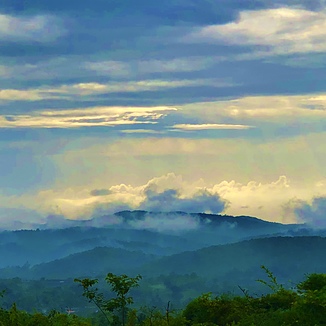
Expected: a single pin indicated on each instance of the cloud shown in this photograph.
(87, 117)
(23, 95)
(313, 213)
(276, 31)
(280, 109)
(75, 91)
(165, 222)
(272, 201)
(134, 68)
(110, 67)
(13, 218)
(40, 28)
(100, 192)
(170, 200)
(140, 131)
(209, 126)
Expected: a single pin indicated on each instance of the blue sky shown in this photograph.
(214, 106)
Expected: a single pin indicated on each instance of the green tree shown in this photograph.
(312, 303)
(120, 285)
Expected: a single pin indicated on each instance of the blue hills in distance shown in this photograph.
(181, 255)
(151, 233)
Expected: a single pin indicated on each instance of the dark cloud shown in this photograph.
(170, 201)
(313, 214)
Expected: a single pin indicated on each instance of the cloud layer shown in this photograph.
(280, 31)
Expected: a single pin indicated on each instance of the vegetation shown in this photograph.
(120, 285)
(303, 305)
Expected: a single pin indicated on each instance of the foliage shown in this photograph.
(120, 285)
(272, 284)
(304, 305)
(16, 317)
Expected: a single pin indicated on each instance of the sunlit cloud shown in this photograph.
(140, 131)
(274, 109)
(170, 193)
(71, 92)
(87, 117)
(277, 31)
(210, 126)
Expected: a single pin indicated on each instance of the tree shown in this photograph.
(120, 285)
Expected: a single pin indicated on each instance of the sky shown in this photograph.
(177, 105)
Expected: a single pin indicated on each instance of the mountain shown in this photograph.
(92, 263)
(153, 233)
(177, 277)
(289, 257)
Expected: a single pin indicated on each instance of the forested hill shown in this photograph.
(153, 233)
(288, 257)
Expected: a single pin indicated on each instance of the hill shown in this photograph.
(153, 233)
(287, 257)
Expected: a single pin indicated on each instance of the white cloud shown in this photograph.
(210, 126)
(279, 109)
(264, 200)
(40, 28)
(87, 117)
(140, 131)
(71, 92)
(22, 95)
(277, 31)
(133, 68)
(138, 86)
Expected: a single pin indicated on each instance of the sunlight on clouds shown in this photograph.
(283, 30)
(253, 177)
(138, 86)
(134, 161)
(245, 112)
(140, 131)
(71, 92)
(88, 117)
(41, 28)
(22, 95)
(278, 108)
(209, 126)
(269, 201)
